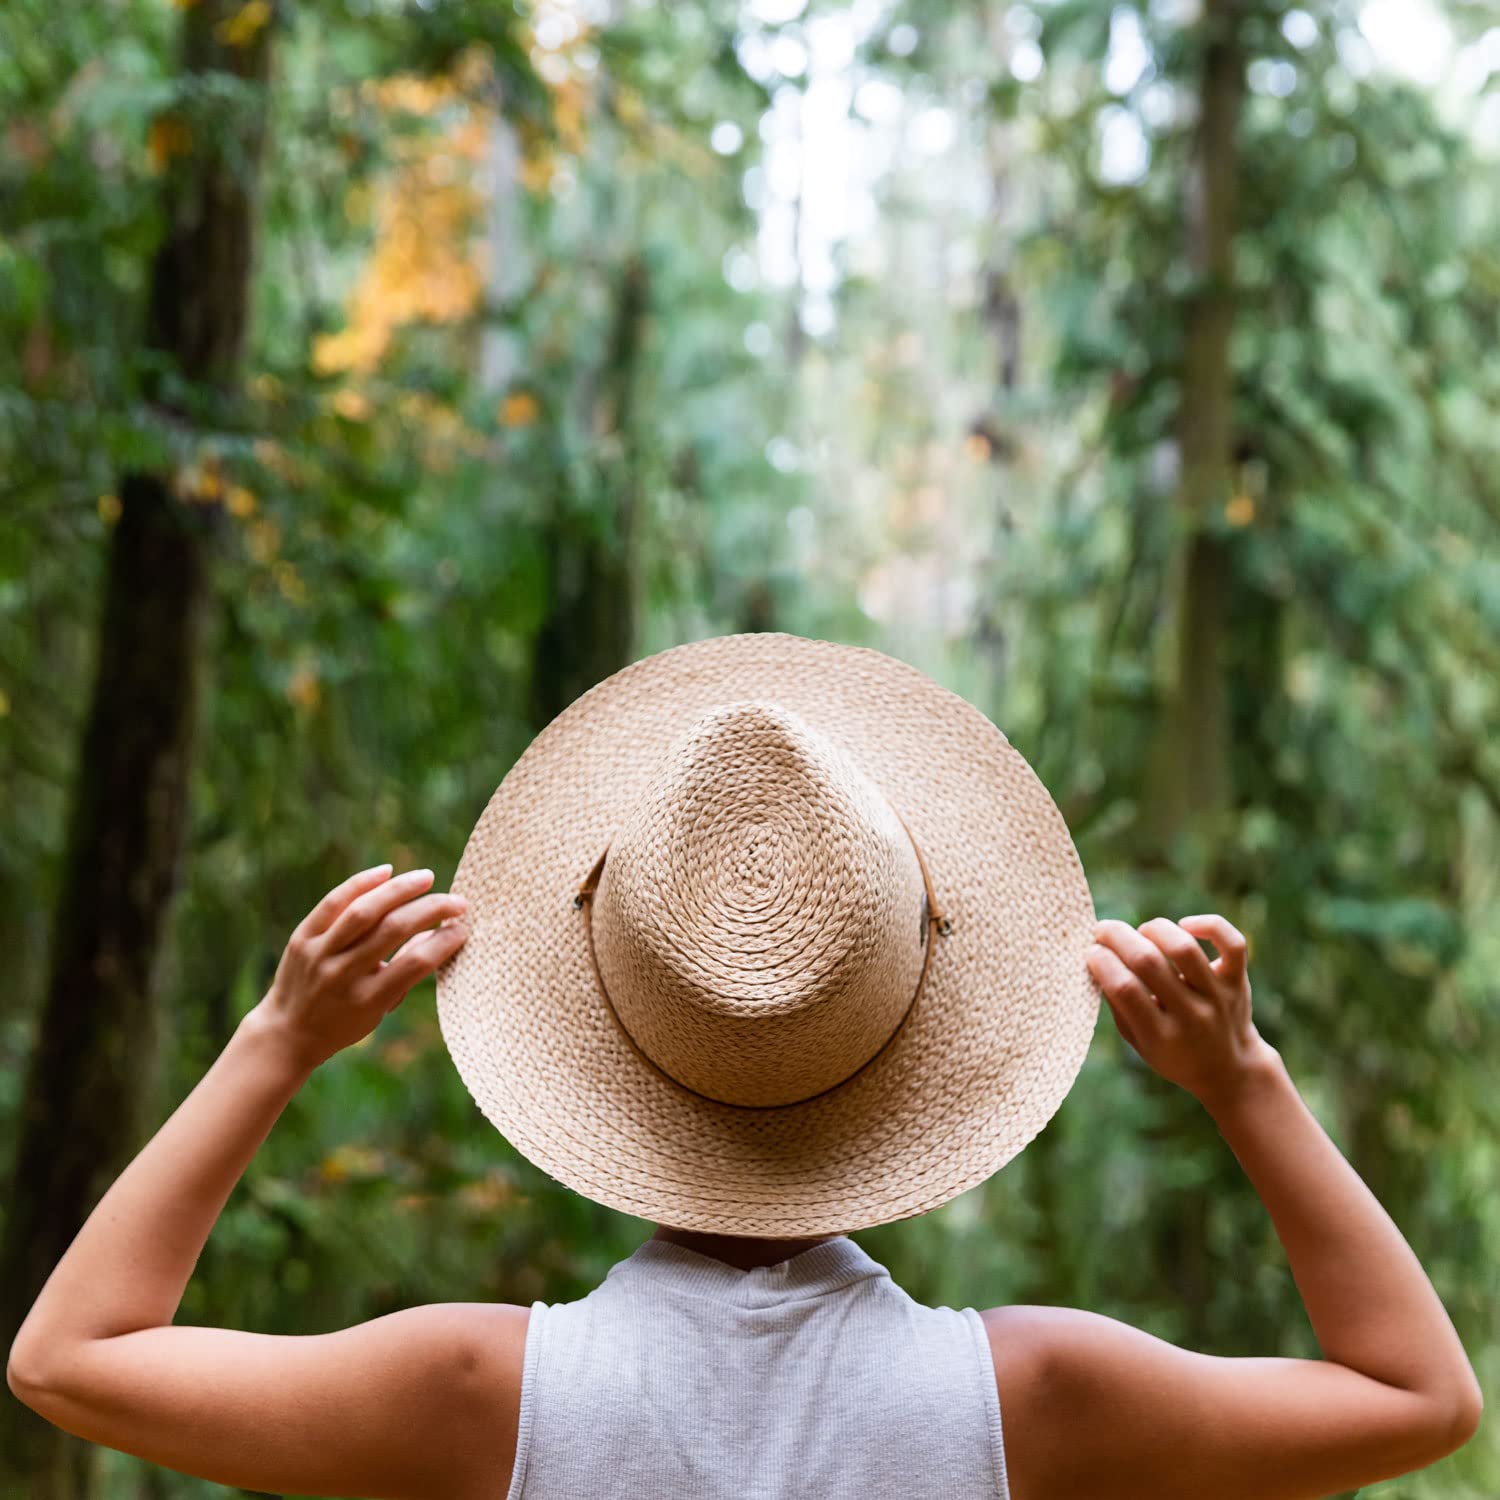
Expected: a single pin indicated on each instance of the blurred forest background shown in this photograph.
(376, 375)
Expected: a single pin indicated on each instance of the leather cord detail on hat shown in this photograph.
(934, 920)
(590, 881)
(935, 917)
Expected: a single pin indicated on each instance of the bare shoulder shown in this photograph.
(469, 1357)
(494, 1338)
(1091, 1405)
(418, 1404)
(1020, 1343)
(1042, 1358)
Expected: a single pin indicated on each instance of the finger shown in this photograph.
(1121, 1024)
(416, 960)
(1122, 987)
(1183, 949)
(1228, 939)
(323, 915)
(361, 916)
(1145, 959)
(403, 923)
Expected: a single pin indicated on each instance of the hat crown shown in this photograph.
(758, 924)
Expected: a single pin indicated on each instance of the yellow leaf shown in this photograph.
(167, 137)
(474, 68)
(568, 102)
(109, 509)
(519, 409)
(359, 204)
(402, 1052)
(239, 501)
(336, 352)
(629, 105)
(289, 581)
(4, 704)
(488, 1193)
(406, 93)
(264, 537)
(1240, 511)
(245, 24)
(351, 1161)
(302, 687)
(428, 220)
(273, 457)
(352, 405)
(537, 173)
(199, 483)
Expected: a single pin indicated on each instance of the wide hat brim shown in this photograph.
(986, 1056)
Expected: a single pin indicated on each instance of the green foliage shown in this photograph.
(393, 518)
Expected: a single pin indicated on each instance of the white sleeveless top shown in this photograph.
(818, 1378)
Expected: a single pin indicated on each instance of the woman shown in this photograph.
(753, 1012)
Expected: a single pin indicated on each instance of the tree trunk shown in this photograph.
(589, 630)
(1189, 778)
(1000, 314)
(90, 1079)
(1188, 785)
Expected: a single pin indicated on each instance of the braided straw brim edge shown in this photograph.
(985, 1059)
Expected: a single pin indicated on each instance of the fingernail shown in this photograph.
(462, 902)
(422, 874)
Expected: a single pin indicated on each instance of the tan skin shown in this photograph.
(742, 1252)
(422, 1404)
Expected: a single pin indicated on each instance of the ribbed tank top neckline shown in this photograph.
(834, 1264)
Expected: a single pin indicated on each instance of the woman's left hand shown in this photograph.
(335, 982)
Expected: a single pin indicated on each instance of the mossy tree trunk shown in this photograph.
(89, 1083)
(1188, 780)
(589, 629)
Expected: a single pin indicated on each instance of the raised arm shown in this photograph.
(1394, 1390)
(405, 1407)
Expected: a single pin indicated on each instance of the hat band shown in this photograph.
(934, 922)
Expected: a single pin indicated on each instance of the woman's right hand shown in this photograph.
(1187, 1016)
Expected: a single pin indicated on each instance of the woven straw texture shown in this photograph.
(758, 890)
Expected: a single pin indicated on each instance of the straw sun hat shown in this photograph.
(770, 936)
